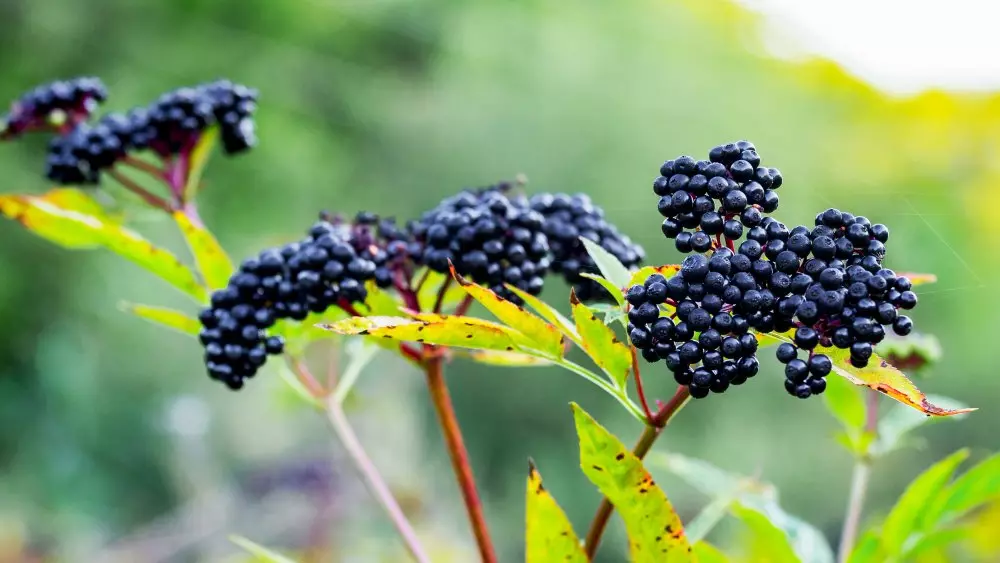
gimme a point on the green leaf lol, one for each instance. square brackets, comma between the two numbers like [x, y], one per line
[163, 316]
[975, 487]
[441, 330]
[894, 427]
[379, 302]
[549, 534]
[767, 541]
[213, 262]
[618, 394]
[199, 158]
[868, 550]
[930, 546]
[611, 268]
[537, 334]
[846, 404]
[360, 354]
[260, 553]
[550, 314]
[880, 376]
[615, 292]
[904, 519]
[601, 344]
[708, 518]
[707, 553]
[75, 229]
[655, 531]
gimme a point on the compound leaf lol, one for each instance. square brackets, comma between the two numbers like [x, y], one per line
[975, 487]
[538, 334]
[72, 228]
[601, 344]
[213, 262]
[506, 359]
[163, 316]
[611, 268]
[615, 292]
[549, 534]
[549, 313]
[655, 531]
[767, 541]
[443, 330]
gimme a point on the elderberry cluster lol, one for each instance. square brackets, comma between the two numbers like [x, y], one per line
[490, 237]
[75, 99]
[567, 219]
[715, 197]
[706, 342]
[327, 268]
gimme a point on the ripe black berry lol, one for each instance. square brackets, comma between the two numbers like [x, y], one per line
[56, 105]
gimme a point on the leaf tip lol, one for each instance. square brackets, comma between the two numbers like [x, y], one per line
[573, 299]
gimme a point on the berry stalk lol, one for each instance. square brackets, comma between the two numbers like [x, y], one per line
[459, 457]
[642, 447]
[859, 484]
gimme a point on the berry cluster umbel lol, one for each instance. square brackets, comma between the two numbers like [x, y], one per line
[328, 268]
[567, 220]
[170, 126]
[825, 284]
[52, 106]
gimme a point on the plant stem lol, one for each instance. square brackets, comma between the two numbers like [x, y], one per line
[149, 197]
[859, 484]
[373, 480]
[642, 446]
[459, 456]
[638, 386]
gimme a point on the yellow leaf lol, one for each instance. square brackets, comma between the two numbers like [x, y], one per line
[445, 330]
[163, 316]
[213, 262]
[600, 343]
[199, 158]
[75, 229]
[506, 359]
[549, 313]
[642, 274]
[549, 534]
[655, 531]
[538, 334]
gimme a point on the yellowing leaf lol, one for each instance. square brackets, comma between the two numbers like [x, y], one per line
[379, 302]
[767, 541]
[74, 229]
[431, 286]
[549, 535]
[905, 517]
[506, 359]
[538, 334]
[708, 553]
[213, 262]
[549, 313]
[882, 377]
[169, 318]
[617, 293]
[601, 344]
[655, 531]
[642, 274]
[444, 331]
[199, 158]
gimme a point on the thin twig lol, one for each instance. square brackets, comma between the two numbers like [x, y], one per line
[149, 197]
[147, 167]
[459, 457]
[638, 387]
[463, 307]
[859, 483]
[439, 302]
[642, 446]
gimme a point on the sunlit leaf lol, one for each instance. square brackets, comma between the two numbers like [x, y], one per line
[767, 542]
[882, 377]
[198, 159]
[80, 201]
[931, 547]
[538, 334]
[611, 268]
[549, 535]
[977, 486]
[895, 426]
[868, 550]
[73, 229]
[431, 287]
[905, 517]
[708, 553]
[642, 274]
[655, 531]
[505, 359]
[213, 262]
[463, 332]
[379, 302]
[601, 344]
[550, 314]
[163, 316]
[260, 553]
[614, 292]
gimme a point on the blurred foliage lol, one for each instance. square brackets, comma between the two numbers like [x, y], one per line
[108, 424]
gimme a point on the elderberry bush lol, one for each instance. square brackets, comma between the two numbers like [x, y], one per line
[701, 199]
[490, 236]
[328, 268]
[567, 219]
[74, 99]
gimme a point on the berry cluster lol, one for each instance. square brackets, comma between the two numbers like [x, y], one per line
[706, 341]
[328, 268]
[718, 197]
[172, 125]
[491, 237]
[63, 102]
[567, 219]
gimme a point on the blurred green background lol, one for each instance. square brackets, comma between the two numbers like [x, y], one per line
[114, 445]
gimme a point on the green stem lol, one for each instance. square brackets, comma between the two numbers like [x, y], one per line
[642, 447]
[859, 483]
[621, 397]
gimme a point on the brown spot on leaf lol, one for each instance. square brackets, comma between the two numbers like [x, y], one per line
[510, 348]
[363, 333]
[468, 336]
[598, 467]
[643, 491]
[620, 456]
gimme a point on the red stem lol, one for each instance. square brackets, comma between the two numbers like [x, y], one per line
[459, 456]
[439, 302]
[638, 387]
[463, 307]
[147, 196]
